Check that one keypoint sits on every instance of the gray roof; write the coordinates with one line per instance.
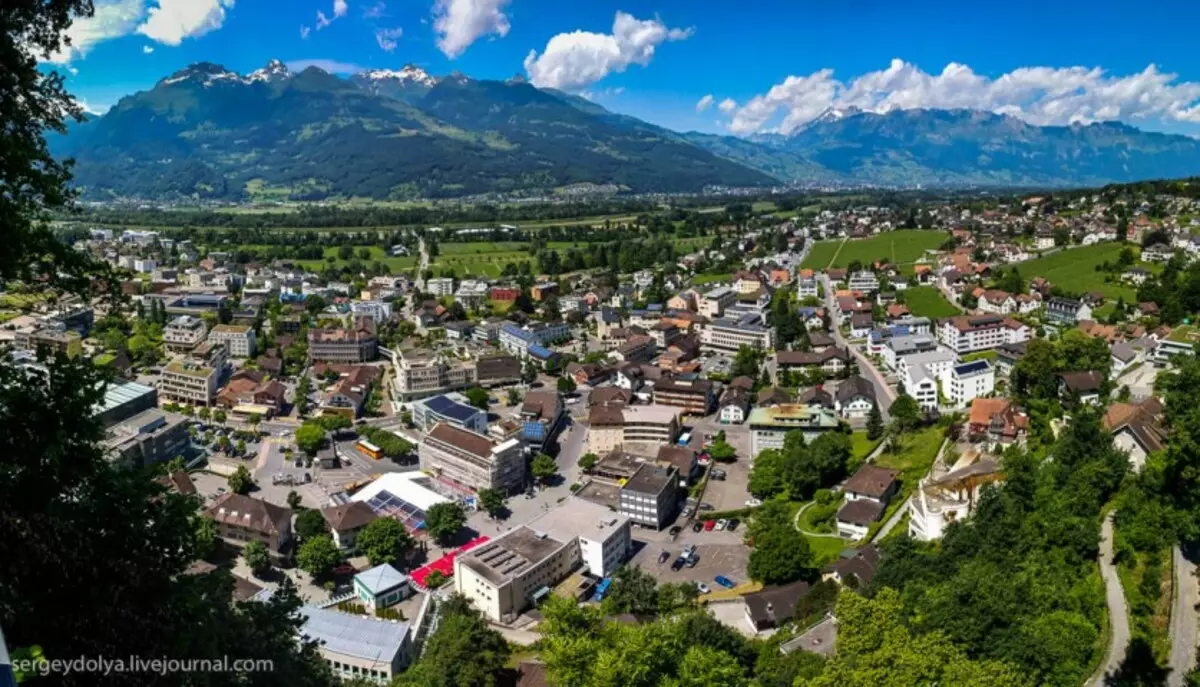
(381, 578)
(119, 394)
(353, 635)
(1123, 352)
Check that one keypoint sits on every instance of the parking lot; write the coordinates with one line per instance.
(715, 559)
(729, 493)
(720, 364)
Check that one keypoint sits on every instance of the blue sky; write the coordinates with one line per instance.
(725, 67)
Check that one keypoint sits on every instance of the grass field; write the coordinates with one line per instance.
(1075, 270)
(861, 446)
(709, 278)
(446, 249)
(473, 264)
(399, 264)
(900, 247)
(927, 301)
(914, 459)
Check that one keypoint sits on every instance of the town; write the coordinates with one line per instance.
(752, 427)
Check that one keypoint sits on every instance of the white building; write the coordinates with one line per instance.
(508, 574)
(864, 281)
(440, 286)
(184, 333)
(358, 646)
(145, 265)
(471, 292)
(949, 497)
(713, 304)
(603, 536)
(379, 311)
(967, 333)
(921, 374)
(730, 335)
(471, 460)
(240, 338)
(969, 381)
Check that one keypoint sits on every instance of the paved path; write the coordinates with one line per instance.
(796, 522)
(1183, 620)
(1118, 611)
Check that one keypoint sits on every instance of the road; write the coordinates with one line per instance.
(1183, 620)
(1118, 611)
(884, 394)
(424, 264)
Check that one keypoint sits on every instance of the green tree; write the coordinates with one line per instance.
(513, 397)
(722, 451)
(633, 590)
(444, 520)
(543, 467)
(318, 555)
(494, 501)
(464, 651)
(384, 540)
(206, 536)
(588, 461)
(566, 384)
(703, 666)
(746, 362)
(310, 437)
(478, 397)
(875, 426)
(293, 500)
(767, 475)
(906, 414)
(780, 555)
(256, 556)
(334, 423)
(240, 482)
(310, 523)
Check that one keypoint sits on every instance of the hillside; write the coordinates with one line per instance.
(209, 132)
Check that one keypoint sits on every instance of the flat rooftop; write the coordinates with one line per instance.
(792, 415)
(360, 636)
(576, 517)
(504, 559)
(600, 493)
(651, 414)
(652, 479)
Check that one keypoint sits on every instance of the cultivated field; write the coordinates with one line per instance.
(1075, 270)
(927, 301)
(396, 265)
(900, 247)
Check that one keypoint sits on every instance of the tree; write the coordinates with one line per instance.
(240, 482)
(703, 666)
(240, 447)
(310, 523)
(875, 426)
(494, 501)
(478, 397)
(206, 536)
(746, 362)
(588, 461)
(334, 423)
(633, 590)
(464, 651)
(543, 467)
(310, 437)
(906, 414)
(513, 397)
(318, 555)
(780, 555)
(566, 384)
(293, 500)
(384, 540)
(444, 520)
(722, 451)
(256, 557)
(767, 475)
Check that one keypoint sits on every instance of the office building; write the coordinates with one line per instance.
(769, 426)
(123, 400)
(356, 345)
(650, 496)
(713, 303)
(603, 537)
(195, 378)
(240, 338)
(692, 393)
(611, 428)
(507, 575)
(184, 333)
(517, 340)
(421, 373)
(452, 409)
(472, 461)
(152, 436)
(541, 417)
(730, 335)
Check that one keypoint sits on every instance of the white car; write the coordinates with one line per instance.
(721, 524)
(753, 503)
(701, 587)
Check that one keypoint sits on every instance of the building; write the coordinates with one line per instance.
(382, 586)
(1067, 311)
(638, 348)
(380, 311)
(692, 393)
(123, 400)
(997, 420)
(899, 346)
(152, 436)
(517, 340)
(773, 606)
(1137, 429)
(356, 345)
(613, 427)
(452, 409)
(420, 373)
(969, 381)
(1083, 386)
(769, 426)
(348, 397)
(867, 494)
(506, 575)
(346, 521)
(713, 304)
(831, 361)
(603, 537)
(403, 496)
(471, 460)
(855, 398)
(241, 519)
(864, 281)
(969, 333)
(947, 497)
(729, 335)
(997, 302)
(184, 333)
(497, 369)
(358, 646)
(440, 286)
(541, 416)
(926, 377)
(240, 338)
(194, 378)
(734, 406)
(471, 293)
(650, 496)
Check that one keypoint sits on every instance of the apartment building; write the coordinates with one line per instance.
(864, 281)
(713, 304)
(692, 393)
(638, 348)
(730, 335)
(517, 340)
(769, 426)
(649, 498)
(925, 375)
(472, 460)
(380, 311)
(195, 377)
(969, 381)
(241, 519)
(471, 293)
(356, 345)
(541, 417)
(806, 287)
(240, 338)
(421, 373)
(152, 436)
(452, 409)
(968, 333)
(441, 286)
(184, 333)
(610, 428)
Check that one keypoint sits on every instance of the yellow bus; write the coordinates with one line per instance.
(367, 448)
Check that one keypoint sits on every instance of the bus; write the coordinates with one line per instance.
(367, 448)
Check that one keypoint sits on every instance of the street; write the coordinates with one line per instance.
(884, 394)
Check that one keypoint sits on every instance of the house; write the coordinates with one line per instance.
(1159, 252)
(382, 586)
(1137, 429)
(948, 496)
(831, 361)
(854, 568)
(996, 420)
(1084, 386)
(867, 494)
(241, 519)
(346, 521)
(1067, 311)
(997, 302)
(861, 324)
(855, 398)
(815, 397)
(773, 606)
(734, 405)
(1136, 275)
(1123, 357)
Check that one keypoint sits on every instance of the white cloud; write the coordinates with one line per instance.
(727, 105)
(388, 39)
(304, 31)
(375, 11)
(174, 20)
(92, 109)
(331, 66)
(111, 19)
(704, 103)
(340, 8)
(459, 23)
(322, 21)
(577, 59)
(147, 49)
(1039, 95)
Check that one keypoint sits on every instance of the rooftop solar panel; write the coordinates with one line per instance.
(447, 408)
(972, 367)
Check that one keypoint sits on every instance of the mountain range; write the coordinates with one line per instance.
(208, 132)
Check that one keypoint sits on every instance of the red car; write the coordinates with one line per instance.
(709, 524)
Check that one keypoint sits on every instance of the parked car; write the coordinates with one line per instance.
(662, 557)
(709, 525)
(698, 526)
(689, 550)
(678, 564)
(693, 560)
(701, 587)
(733, 524)
(674, 531)
(753, 503)
(724, 582)
(721, 524)
(688, 511)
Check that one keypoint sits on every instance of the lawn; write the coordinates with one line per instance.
(928, 301)
(1075, 270)
(398, 264)
(489, 264)
(709, 278)
(914, 459)
(825, 550)
(481, 247)
(861, 447)
(900, 247)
